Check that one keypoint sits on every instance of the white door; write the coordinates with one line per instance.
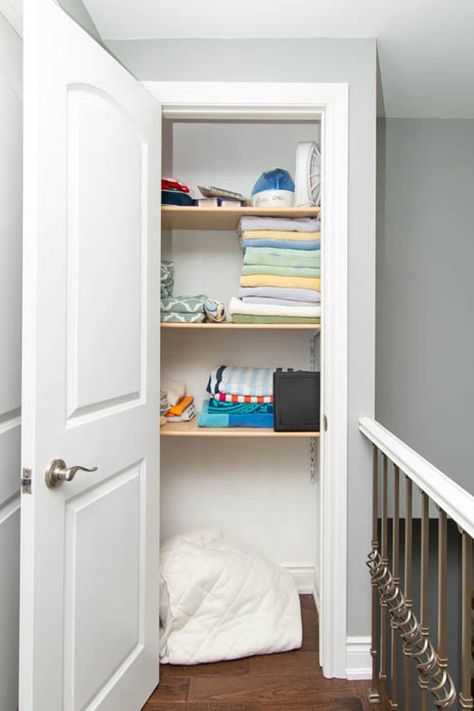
(89, 548)
(10, 358)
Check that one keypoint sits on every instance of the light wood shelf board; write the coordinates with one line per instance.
(191, 429)
(243, 326)
(222, 218)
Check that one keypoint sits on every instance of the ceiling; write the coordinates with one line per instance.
(426, 47)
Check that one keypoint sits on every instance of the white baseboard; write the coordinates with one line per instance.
(358, 659)
(304, 577)
(316, 594)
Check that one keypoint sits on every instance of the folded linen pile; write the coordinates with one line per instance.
(181, 407)
(183, 309)
(164, 406)
(183, 411)
(281, 278)
(239, 397)
(167, 278)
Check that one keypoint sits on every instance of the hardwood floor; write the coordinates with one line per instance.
(291, 681)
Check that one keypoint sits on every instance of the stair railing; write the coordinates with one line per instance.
(396, 624)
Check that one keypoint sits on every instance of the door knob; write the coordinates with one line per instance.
(58, 472)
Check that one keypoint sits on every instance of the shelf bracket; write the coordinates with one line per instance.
(312, 460)
(313, 366)
(314, 352)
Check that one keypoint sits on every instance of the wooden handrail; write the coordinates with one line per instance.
(446, 493)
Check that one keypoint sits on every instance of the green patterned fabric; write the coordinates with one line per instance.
(175, 317)
(280, 271)
(167, 278)
(184, 304)
(251, 318)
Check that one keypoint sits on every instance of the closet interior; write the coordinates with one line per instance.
(259, 486)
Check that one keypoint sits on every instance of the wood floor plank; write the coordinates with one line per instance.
(157, 705)
(352, 704)
(266, 689)
(295, 663)
(233, 667)
(335, 705)
(175, 690)
(290, 681)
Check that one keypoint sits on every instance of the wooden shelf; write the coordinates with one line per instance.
(222, 218)
(191, 429)
(243, 326)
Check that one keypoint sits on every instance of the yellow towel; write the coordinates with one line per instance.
(279, 234)
(285, 281)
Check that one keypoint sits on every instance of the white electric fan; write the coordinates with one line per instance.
(307, 175)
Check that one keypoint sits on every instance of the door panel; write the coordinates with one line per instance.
(104, 347)
(10, 360)
(104, 581)
(89, 565)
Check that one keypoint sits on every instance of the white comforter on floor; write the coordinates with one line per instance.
(221, 600)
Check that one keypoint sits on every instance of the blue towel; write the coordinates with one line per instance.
(281, 243)
(210, 417)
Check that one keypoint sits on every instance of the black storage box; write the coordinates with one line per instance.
(296, 400)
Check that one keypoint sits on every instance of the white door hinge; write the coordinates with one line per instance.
(26, 481)
(325, 423)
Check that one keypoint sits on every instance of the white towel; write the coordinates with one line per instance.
(175, 390)
(237, 306)
(293, 224)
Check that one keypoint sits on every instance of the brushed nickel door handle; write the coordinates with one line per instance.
(58, 472)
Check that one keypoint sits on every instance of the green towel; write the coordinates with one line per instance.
(250, 318)
(283, 257)
(280, 271)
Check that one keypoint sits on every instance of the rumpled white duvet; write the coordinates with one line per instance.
(222, 600)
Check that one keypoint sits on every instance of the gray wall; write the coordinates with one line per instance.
(352, 61)
(425, 289)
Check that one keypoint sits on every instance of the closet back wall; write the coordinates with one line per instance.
(256, 490)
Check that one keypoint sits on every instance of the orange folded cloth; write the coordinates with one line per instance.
(178, 409)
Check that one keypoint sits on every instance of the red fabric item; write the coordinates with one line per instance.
(167, 184)
(224, 397)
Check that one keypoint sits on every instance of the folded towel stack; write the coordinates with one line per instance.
(164, 403)
(164, 406)
(180, 405)
(183, 309)
(239, 397)
(281, 278)
(167, 277)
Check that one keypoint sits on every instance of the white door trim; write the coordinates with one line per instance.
(330, 102)
(12, 16)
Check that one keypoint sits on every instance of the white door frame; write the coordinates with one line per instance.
(330, 103)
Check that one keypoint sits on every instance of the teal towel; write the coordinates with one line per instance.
(184, 304)
(177, 317)
(211, 417)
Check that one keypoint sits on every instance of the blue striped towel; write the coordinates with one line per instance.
(241, 380)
